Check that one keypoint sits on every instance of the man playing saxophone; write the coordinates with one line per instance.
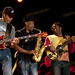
(26, 48)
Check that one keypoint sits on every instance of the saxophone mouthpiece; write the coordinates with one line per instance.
(37, 29)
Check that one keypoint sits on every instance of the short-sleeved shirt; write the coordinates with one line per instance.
(27, 43)
(55, 41)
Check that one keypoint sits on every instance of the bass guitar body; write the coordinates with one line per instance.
(2, 45)
(59, 51)
(55, 55)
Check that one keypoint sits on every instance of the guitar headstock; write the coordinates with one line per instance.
(70, 37)
(44, 34)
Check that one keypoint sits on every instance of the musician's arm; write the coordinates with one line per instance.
(21, 50)
(47, 43)
(71, 47)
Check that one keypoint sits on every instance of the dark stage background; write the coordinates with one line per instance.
(45, 13)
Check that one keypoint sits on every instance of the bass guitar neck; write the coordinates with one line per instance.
(3, 41)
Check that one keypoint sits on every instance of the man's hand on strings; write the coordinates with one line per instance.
(14, 42)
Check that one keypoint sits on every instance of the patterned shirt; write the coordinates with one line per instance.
(55, 41)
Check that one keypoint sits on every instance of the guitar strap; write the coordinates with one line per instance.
(8, 31)
(61, 41)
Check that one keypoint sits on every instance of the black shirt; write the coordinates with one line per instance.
(27, 44)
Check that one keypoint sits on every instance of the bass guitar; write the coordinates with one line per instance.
(3, 41)
(59, 51)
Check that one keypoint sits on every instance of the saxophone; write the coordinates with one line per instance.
(37, 57)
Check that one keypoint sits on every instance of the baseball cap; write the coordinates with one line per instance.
(9, 11)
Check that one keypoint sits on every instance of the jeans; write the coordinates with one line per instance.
(5, 58)
(61, 68)
(27, 67)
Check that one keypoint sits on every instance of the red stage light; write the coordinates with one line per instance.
(19, 0)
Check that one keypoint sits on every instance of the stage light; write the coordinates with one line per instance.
(19, 0)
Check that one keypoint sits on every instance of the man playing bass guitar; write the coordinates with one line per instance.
(58, 55)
